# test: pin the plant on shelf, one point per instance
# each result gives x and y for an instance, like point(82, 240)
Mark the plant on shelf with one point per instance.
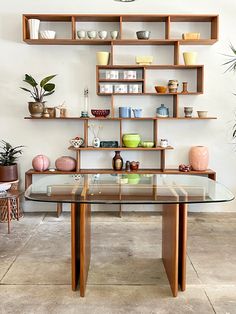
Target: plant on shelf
point(8, 158)
point(38, 92)
point(231, 66)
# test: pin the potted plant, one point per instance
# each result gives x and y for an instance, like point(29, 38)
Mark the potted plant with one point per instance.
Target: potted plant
point(8, 165)
point(231, 66)
point(38, 92)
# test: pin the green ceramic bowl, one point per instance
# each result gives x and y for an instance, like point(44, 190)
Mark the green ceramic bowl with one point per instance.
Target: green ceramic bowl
point(147, 144)
point(131, 140)
point(133, 178)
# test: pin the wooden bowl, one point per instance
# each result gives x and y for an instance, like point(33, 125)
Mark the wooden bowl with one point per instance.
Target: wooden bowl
point(161, 89)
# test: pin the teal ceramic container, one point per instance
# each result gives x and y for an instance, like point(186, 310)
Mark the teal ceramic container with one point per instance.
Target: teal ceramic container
point(131, 140)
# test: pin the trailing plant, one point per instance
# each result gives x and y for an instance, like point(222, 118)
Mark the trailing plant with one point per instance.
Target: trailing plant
point(9, 154)
point(41, 90)
point(231, 66)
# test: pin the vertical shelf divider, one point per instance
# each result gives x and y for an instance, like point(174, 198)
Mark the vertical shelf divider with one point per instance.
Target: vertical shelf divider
point(155, 132)
point(215, 28)
point(176, 53)
point(121, 132)
point(86, 132)
point(73, 28)
point(163, 160)
point(112, 54)
point(200, 79)
point(112, 107)
point(144, 79)
point(121, 28)
point(167, 28)
point(175, 106)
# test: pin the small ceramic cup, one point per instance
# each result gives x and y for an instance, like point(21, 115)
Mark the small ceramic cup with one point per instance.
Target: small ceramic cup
point(137, 113)
point(202, 114)
point(114, 34)
point(81, 34)
point(102, 34)
point(92, 34)
point(188, 111)
point(164, 143)
point(124, 112)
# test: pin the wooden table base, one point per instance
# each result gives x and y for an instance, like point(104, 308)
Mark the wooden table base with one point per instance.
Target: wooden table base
point(80, 245)
point(174, 238)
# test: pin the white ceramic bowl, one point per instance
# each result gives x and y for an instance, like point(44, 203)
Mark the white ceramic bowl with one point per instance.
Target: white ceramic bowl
point(92, 34)
point(102, 34)
point(4, 187)
point(81, 34)
point(47, 34)
point(202, 114)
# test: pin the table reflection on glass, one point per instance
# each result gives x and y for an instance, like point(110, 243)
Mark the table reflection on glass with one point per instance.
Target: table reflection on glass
point(173, 192)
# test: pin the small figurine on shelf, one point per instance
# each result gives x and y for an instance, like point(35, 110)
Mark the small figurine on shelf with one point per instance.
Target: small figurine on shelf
point(96, 140)
point(185, 168)
point(127, 166)
point(84, 113)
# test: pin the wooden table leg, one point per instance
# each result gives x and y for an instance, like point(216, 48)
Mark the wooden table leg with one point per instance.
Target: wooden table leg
point(85, 245)
point(170, 242)
point(75, 244)
point(8, 214)
point(183, 214)
point(59, 209)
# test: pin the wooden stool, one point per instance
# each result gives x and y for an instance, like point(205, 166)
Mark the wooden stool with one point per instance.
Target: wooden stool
point(12, 197)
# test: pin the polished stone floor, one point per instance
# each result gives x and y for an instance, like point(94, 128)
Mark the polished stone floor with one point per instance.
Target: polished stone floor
point(126, 274)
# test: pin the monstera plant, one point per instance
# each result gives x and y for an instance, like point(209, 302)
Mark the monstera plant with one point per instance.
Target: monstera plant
point(38, 91)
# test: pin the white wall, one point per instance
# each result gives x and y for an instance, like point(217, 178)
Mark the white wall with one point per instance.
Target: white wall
point(75, 66)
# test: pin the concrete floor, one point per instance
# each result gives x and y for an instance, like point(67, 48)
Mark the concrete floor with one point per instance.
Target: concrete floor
point(126, 274)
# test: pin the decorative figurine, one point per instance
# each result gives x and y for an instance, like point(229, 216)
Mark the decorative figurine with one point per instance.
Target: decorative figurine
point(173, 86)
point(96, 140)
point(127, 166)
point(185, 88)
point(134, 165)
point(164, 143)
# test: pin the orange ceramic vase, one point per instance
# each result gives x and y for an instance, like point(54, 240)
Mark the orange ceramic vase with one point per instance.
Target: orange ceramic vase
point(199, 158)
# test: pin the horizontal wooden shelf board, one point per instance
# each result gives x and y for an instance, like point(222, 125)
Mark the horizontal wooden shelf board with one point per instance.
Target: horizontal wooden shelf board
point(159, 148)
point(112, 119)
point(120, 80)
point(151, 66)
point(150, 94)
point(95, 171)
point(120, 42)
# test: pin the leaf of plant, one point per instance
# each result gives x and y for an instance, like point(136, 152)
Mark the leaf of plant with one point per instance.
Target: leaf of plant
point(49, 87)
point(25, 89)
point(46, 80)
point(30, 80)
point(50, 93)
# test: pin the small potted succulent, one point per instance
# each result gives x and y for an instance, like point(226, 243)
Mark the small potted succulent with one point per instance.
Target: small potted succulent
point(8, 158)
point(38, 92)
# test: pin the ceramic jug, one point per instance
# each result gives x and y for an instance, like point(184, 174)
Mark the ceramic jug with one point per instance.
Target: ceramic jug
point(162, 112)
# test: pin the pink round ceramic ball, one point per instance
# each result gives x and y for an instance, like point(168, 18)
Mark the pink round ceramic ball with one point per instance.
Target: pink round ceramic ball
point(65, 163)
point(40, 163)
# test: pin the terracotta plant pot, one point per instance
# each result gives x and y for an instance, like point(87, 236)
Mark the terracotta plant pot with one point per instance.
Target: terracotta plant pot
point(199, 158)
point(36, 109)
point(8, 173)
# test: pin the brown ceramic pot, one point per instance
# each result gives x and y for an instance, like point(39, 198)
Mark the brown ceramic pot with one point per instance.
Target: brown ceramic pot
point(117, 161)
point(8, 173)
point(36, 109)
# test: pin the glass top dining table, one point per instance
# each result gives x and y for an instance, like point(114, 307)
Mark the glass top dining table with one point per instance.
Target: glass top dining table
point(130, 188)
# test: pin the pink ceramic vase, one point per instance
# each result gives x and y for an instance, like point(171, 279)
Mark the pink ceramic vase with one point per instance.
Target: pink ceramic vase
point(40, 163)
point(199, 158)
point(65, 163)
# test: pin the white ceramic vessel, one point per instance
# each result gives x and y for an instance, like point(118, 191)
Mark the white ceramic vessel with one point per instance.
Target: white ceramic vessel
point(102, 34)
point(34, 28)
point(92, 34)
point(81, 34)
point(47, 34)
point(114, 34)
point(102, 57)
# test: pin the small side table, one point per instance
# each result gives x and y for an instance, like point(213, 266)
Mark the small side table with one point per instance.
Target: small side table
point(12, 196)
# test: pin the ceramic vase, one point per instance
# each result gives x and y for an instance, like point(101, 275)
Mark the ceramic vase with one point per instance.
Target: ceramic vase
point(190, 58)
point(117, 161)
point(96, 142)
point(102, 58)
point(40, 163)
point(34, 28)
point(36, 108)
point(65, 163)
point(199, 158)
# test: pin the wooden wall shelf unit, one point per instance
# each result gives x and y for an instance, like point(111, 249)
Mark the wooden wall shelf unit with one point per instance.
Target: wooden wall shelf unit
point(164, 34)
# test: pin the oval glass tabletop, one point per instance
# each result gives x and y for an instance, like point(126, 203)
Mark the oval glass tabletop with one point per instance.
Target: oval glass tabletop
point(127, 189)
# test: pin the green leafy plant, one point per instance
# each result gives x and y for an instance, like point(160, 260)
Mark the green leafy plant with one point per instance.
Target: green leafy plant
point(41, 90)
point(9, 154)
point(231, 66)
